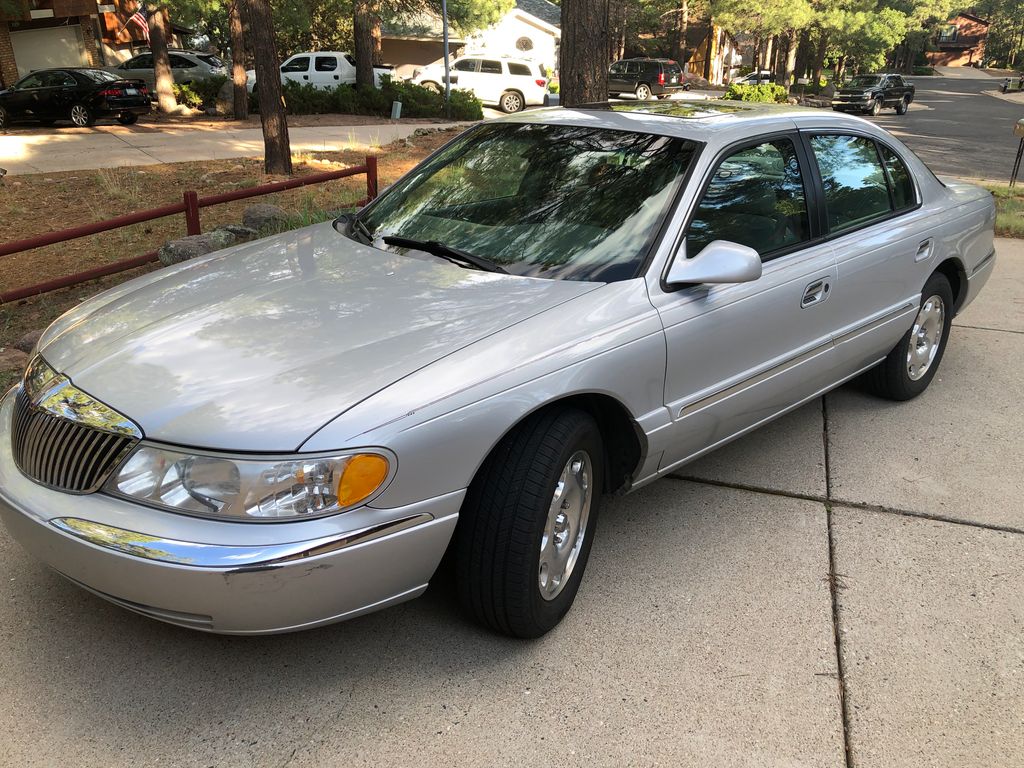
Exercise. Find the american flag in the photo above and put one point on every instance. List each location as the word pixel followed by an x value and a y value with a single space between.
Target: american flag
pixel 139 17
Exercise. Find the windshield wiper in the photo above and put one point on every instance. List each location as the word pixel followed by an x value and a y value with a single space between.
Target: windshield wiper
pixel 454 255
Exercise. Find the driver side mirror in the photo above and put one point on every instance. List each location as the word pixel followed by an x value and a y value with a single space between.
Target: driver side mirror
pixel 720 261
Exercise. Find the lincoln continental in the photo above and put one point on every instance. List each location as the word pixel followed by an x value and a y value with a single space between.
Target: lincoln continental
pixel 551 308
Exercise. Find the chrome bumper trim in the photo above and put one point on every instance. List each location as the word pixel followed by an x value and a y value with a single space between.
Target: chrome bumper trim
pixel 230 557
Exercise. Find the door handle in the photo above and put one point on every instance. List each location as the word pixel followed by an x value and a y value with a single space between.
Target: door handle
pixel 815 293
pixel 336 77
pixel 305 77
pixel 924 251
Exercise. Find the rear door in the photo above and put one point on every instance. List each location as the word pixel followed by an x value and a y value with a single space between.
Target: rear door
pixel 140 68
pixel 492 81
pixel 184 69
pixel 326 71
pixel 63 91
pixel 741 354
pixel 296 69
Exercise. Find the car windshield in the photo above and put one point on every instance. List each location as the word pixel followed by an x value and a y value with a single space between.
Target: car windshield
pixel 863 80
pixel 560 202
pixel 98 75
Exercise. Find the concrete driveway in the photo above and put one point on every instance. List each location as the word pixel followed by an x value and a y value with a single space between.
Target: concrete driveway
pixel 113 146
pixel 843 587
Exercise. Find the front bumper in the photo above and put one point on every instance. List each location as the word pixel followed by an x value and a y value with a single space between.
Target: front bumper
pixel 227 577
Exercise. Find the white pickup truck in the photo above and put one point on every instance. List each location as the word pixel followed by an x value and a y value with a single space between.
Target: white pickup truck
pixel 322 69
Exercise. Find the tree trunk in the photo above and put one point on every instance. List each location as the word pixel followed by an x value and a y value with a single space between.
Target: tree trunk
pixel 276 146
pixel 840 71
pixel 583 70
pixel 789 58
pixel 710 55
pixel 378 49
pixel 166 102
pixel 363 15
pixel 240 96
pixel 819 58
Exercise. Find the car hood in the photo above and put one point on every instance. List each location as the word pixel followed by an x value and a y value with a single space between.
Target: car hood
pixel 257 347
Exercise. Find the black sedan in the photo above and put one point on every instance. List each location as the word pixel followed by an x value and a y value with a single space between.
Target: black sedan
pixel 76 94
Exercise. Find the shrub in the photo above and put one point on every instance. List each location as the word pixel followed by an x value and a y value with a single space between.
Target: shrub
pixel 184 94
pixel 764 92
pixel 199 93
pixel 417 101
pixel 924 71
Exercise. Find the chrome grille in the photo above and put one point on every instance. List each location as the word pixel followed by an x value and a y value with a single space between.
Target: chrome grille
pixel 63 454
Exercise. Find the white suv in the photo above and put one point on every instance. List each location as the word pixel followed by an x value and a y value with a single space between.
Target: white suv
pixel 512 84
pixel 322 69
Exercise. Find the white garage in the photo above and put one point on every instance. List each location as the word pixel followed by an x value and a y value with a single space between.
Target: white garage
pixel 51 47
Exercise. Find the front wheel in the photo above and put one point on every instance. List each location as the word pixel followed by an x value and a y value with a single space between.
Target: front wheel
pixel 875 108
pixel 643 92
pixel 910 367
pixel 82 116
pixel 5 121
pixel 511 101
pixel 528 522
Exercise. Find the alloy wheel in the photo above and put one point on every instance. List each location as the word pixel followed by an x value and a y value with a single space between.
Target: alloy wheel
pixel 80 116
pixel 643 92
pixel 511 102
pixel 566 526
pixel 926 337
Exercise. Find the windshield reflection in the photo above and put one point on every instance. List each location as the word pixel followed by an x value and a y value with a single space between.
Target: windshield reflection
pixel 566 202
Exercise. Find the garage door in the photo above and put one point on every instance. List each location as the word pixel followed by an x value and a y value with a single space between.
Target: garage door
pixel 52 47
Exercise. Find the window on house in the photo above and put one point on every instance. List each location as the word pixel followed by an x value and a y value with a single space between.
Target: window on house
pixel 948 33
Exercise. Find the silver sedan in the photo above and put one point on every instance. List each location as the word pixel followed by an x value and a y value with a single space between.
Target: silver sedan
pixel 553 307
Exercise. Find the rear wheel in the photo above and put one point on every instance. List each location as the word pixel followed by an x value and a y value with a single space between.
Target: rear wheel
pixel 82 116
pixel 127 118
pixel 901 108
pixel 528 522
pixel 511 101
pixel 643 92
pixel 911 365
pixel 4 119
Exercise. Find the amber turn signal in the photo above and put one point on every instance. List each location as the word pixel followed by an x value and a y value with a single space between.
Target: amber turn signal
pixel 363 475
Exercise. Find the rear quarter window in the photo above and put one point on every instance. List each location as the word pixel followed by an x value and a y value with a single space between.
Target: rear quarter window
pixel 518 69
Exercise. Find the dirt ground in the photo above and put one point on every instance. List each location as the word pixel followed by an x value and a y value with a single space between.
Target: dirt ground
pixel 39 203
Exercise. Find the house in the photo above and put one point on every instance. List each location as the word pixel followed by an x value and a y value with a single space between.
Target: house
pixel 960 42
pixel 715 52
pixel 38 34
pixel 530 30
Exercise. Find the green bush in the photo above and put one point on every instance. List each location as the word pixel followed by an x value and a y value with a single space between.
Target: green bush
pixel 417 101
pixel 923 71
pixel 199 93
pixel 763 92
pixel 184 94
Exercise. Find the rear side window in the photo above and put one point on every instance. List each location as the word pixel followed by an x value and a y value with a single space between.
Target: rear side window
pixel 755 198
pixel 326 63
pixel 298 64
pixel 855 185
pixel 490 67
pixel 518 69
pixel 900 183
pixel 210 59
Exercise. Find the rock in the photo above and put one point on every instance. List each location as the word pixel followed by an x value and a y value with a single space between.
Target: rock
pixel 225 102
pixel 262 216
pixel 828 91
pixel 241 233
pixel 792 100
pixel 12 360
pixel 186 248
pixel 28 342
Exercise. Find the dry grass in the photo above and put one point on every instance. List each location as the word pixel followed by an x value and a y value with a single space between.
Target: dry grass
pixel 35 204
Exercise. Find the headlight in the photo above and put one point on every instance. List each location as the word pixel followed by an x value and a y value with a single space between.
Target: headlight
pixel 867 96
pixel 242 489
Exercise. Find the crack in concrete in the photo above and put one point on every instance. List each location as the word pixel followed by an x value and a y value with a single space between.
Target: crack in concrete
pixel 986 328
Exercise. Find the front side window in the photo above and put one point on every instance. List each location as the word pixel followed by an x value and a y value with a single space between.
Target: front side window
pixel 31 81
pixel 145 61
pixel 755 198
pixel 465 65
pixel 617 68
pixel 326 64
pixel 559 202
pixel 853 178
pixel 902 186
pixel 298 64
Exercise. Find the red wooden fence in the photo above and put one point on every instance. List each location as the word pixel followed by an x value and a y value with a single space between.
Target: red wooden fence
pixel 190 205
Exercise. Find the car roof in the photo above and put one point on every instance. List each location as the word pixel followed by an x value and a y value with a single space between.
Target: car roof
pixel 717 122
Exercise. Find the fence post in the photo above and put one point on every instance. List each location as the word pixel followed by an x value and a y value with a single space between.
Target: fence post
pixel 192 224
pixel 371 177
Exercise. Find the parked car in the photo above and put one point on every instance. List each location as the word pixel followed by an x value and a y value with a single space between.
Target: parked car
pixel 81 95
pixel 186 67
pixel 644 78
pixel 510 84
pixel 870 93
pixel 552 307
pixel 322 69
pixel 756 78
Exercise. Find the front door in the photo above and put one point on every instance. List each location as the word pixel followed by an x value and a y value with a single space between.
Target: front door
pixel 24 101
pixel 740 354
pixel 463 75
pixel 296 69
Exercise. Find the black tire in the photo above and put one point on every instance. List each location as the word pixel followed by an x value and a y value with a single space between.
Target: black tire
pixel 502 524
pixel 686 86
pixel 901 108
pixel 891 378
pixel 512 101
pixel 5 122
pixel 127 118
pixel 875 108
pixel 642 92
pixel 81 115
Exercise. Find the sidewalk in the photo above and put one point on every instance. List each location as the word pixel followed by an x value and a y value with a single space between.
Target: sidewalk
pixel 844 587
pixel 150 145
